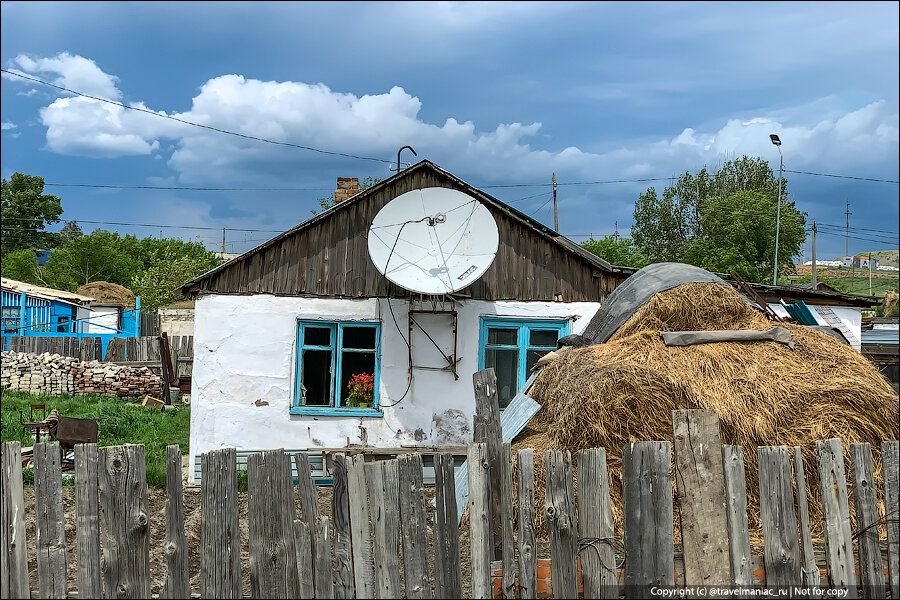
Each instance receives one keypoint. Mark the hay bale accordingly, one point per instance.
(104, 292)
(625, 390)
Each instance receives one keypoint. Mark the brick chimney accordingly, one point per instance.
(346, 187)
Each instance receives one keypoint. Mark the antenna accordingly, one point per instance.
(433, 240)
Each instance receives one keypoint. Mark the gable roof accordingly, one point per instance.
(45, 293)
(425, 165)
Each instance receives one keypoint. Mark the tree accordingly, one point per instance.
(723, 221)
(26, 211)
(99, 256)
(22, 265)
(159, 284)
(70, 231)
(328, 201)
(620, 252)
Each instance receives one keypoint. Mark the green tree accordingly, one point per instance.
(22, 265)
(99, 256)
(328, 201)
(70, 231)
(159, 284)
(620, 252)
(723, 221)
(25, 210)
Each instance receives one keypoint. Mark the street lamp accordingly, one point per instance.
(776, 141)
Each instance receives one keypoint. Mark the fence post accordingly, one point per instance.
(559, 508)
(177, 578)
(836, 510)
(890, 464)
(781, 554)
(381, 478)
(527, 545)
(596, 528)
(871, 569)
(220, 542)
(413, 525)
(506, 522)
(809, 570)
(303, 540)
(479, 520)
(738, 527)
(323, 575)
(363, 562)
(87, 519)
(14, 581)
(124, 522)
(446, 530)
(487, 430)
(340, 515)
(51, 534)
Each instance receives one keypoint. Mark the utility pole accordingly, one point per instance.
(847, 214)
(616, 234)
(814, 281)
(776, 141)
(870, 273)
(555, 206)
(223, 242)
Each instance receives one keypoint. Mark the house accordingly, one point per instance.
(881, 345)
(302, 343)
(859, 262)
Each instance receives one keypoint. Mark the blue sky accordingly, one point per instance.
(497, 93)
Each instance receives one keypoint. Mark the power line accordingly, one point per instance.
(190, 188)
(864, 239)
(193, 124)
(861, 229)
(163, 226)
(851, 177)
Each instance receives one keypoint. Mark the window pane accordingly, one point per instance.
(359, 337)
(315, 384)
(502, 335)
(360, 368)
(316, 336)
(531, 359)
(543, 337)
(506, 366)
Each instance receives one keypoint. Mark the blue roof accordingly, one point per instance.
(881, 336)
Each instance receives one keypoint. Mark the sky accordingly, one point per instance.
(500, 94)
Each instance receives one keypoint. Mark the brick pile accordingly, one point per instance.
(55, 375)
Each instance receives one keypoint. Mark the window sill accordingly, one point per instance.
(328, 411)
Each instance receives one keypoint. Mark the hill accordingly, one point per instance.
(886, 257)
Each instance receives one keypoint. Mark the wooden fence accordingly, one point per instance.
(384, 540)
(83, 348)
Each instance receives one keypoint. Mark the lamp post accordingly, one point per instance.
(776, 141)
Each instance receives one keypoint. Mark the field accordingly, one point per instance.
(853, 282)
(120, 423)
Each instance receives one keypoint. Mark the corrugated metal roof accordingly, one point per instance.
(881, 336)
(43, 292)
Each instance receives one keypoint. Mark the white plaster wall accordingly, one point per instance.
(244, 359)
(102, 319)
(852, 319)
(176, 321)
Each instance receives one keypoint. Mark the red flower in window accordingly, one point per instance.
(362, 390)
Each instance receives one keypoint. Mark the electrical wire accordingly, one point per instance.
(851, 177)
(115, 186)
(160, 226)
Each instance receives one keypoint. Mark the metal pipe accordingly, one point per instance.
(407, 147)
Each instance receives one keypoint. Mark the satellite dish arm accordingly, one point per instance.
(400, 151)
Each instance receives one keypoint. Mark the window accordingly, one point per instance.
(63, 325)
(512, 347)
(10, 318)
(337, 368)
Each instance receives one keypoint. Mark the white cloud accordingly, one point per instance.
(6, 126)
(73, 72)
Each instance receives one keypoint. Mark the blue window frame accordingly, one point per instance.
(513, 346)
(329, 354)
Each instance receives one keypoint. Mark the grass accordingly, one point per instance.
(120, 422)
(857, 285)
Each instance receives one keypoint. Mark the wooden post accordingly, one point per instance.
(700, 479)
(596, 529)
(647, 494)
(323, 575)
(303, 540)
(124, 522)
(363, 562)
(178, 583)
(479, 520)
(559, 510)
(381, 477)
(51, 533)
(809, 571)
(836, 509)
(890, 464)
(738, 528)
(87, 520)
(871, 570)
(413, 525)
(487, 431)
(527, 544)
(14, 582)
(506, 522)
(220, 549)
(309, 499)
(270, 506)
(447, 579)
(340, 514)
(781, 554)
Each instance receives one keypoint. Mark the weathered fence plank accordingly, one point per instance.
(178, 583)
(413, 524)
(810, 575)
(323, 575)
(220, 550)
(699, 476)
(381, 478)
(270, 506)
(527, 544)
(779, 522)
(447, 578)
(303, 540)
(87, 520)
(124, 522)
(506, 522)
(51, 533)
(596, 529)
(836, 509)
(890, 465)
(340, 514)
(479, 520)
(309, 500)
(363, 561)
(487, 430)
(559, 512)
(14, 581)
(871, 570)
(647, 492)
(738, 527)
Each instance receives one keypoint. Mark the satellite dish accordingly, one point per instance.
(433, 240)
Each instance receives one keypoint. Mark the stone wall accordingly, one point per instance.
(176, 321)
(55, 375)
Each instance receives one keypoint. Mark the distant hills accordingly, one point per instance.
(886, 257)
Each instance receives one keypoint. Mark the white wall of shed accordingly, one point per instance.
(102, 319)
(176, 321)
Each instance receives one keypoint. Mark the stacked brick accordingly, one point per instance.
(55, 375)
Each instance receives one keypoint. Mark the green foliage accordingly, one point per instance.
(25, 210)
(22, 265)
(160, 282)
(99, 256)
(722, 221)
(120, 422)
(620, 252)
(70, 231)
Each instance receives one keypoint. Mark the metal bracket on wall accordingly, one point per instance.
(435, 305)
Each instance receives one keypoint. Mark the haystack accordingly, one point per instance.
(764, 393)
(104, 292)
